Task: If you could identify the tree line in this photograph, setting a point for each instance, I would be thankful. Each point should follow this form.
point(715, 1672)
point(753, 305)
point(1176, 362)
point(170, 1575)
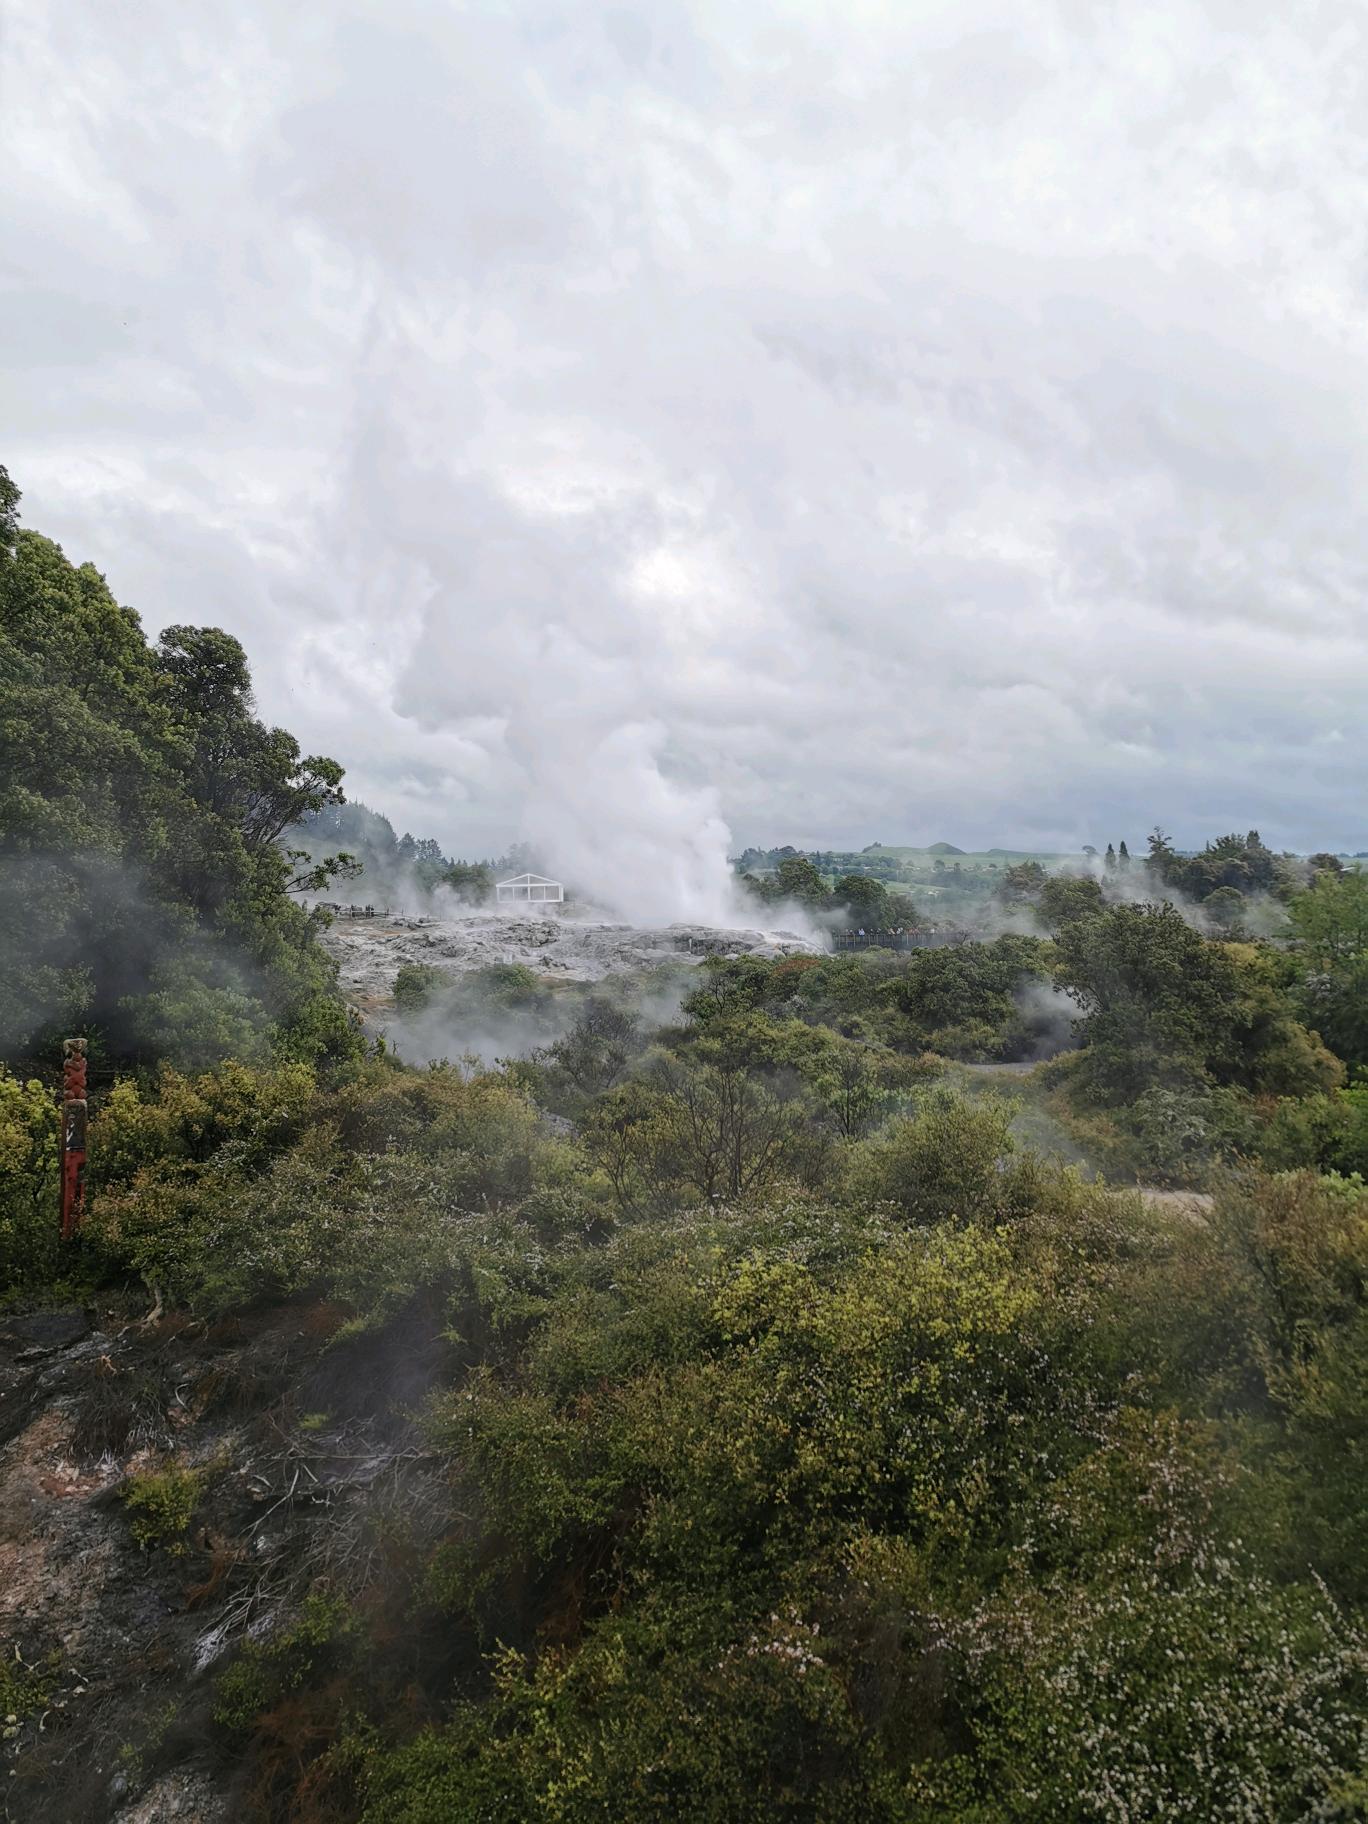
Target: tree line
point(144, 884)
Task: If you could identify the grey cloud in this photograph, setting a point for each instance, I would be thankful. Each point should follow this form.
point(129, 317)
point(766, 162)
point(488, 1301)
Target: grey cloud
point(827, 423)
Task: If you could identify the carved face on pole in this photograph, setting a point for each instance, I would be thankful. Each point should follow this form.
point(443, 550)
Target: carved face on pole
point(73, 1135)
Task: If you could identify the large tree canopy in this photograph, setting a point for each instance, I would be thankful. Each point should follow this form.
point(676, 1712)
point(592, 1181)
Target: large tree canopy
point(142, 888)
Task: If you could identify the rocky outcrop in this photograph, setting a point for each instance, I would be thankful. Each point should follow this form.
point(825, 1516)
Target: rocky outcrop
point(257, 1449)
point(566, 947)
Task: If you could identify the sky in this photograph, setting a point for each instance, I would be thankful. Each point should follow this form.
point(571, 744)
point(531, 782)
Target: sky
point(654, 429)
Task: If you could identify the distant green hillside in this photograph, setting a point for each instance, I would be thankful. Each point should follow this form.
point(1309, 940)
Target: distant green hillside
point(939, 851)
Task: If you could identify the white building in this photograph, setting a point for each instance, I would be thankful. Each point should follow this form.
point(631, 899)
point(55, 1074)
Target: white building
point(524, 887)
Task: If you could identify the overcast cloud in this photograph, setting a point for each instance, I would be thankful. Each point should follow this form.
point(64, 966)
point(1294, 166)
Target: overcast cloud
point(821, 423)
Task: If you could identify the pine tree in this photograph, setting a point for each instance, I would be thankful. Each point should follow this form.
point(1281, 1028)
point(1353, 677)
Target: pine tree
point(1163, 859)
point(1123, 856)
point(1109, 861)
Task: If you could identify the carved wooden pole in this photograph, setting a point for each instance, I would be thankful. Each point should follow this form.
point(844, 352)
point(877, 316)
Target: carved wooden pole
point(73, 1135)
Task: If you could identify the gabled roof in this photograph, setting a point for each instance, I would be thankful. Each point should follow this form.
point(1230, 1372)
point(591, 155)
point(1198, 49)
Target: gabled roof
point(529, 880)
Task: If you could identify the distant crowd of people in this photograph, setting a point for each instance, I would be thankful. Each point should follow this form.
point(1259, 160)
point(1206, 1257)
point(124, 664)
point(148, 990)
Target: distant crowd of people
point(896, 937)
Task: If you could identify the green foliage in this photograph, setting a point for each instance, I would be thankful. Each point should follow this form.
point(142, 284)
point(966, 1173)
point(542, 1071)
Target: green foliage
point(713, 1128)
point(963, 1000)
point(797, 879)
point(9, 509)
point(1165, 1009)
point(457, 1012)
point(1064, 898)
point(1159, 1000)
point(470, 881)
point(656, 1716)
point(142, 888)
point(1021, 883)
point(244, 1184)
point(821, 1397)
point(25, 1689)
point(1235, 864)
point(1326, 1131)
point(905, 1499)
point(807, 1474)
point(267, 1671)
point(29, 1183)
point(238, 1113)
point(415, 986)
point(590, 1057)
point(1171, 1134)
point(1330, 936)
point(864, 900)
point(946, 1162)
point(856, 1085)
point(1206, 1693)
point(162, 1503)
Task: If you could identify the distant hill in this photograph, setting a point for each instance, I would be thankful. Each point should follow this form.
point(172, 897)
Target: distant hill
point(945, 848)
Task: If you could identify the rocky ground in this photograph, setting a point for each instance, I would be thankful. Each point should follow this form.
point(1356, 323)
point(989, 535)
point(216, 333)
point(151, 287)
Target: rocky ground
point(109, 1647)
point(569, 946)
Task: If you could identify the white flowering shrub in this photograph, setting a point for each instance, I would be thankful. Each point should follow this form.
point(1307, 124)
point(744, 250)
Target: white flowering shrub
point(1145, 1696)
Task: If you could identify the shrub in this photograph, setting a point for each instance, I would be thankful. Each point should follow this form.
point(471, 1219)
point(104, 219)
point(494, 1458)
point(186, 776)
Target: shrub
point(186, 1121)
point(415, 986)
point(29, 1183)
point(25, 1689)
point(682, 1712)
point(947, 1160)
point(1208, 1694)
point(163, 1504)
point(266, 1670)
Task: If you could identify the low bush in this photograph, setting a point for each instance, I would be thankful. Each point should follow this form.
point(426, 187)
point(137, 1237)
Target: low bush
point(29, 1185)
point(162, 1504)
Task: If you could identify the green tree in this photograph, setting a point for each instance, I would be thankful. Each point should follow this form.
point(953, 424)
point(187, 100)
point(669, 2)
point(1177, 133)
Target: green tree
point(962, 1000)
point(1330, 920)
point(1158, 999)
point(469, 880)
point(1163, 860)
point(9, 510)
point(723, 1128)
point(864, 899)
point(142, 887)
point(945, 1162)
point(1021, 883)
point(1064, 897)
point(797, 879)
point(594, 1054)
point(249, 776)
point(1330, 939)
point(1324, 863)
point(1225, 907)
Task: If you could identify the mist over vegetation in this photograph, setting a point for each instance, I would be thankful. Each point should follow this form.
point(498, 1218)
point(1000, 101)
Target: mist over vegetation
point(750, 1400)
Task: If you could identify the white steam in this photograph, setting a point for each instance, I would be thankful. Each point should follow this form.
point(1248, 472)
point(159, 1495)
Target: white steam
point(644, 846)
point(548, 693)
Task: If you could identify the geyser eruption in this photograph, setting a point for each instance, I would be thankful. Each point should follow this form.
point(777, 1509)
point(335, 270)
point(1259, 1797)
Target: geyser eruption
point(634, 841)
point(538, 653)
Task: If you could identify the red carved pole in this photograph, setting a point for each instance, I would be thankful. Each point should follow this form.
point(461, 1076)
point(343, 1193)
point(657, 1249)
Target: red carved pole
point(73, 1135)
